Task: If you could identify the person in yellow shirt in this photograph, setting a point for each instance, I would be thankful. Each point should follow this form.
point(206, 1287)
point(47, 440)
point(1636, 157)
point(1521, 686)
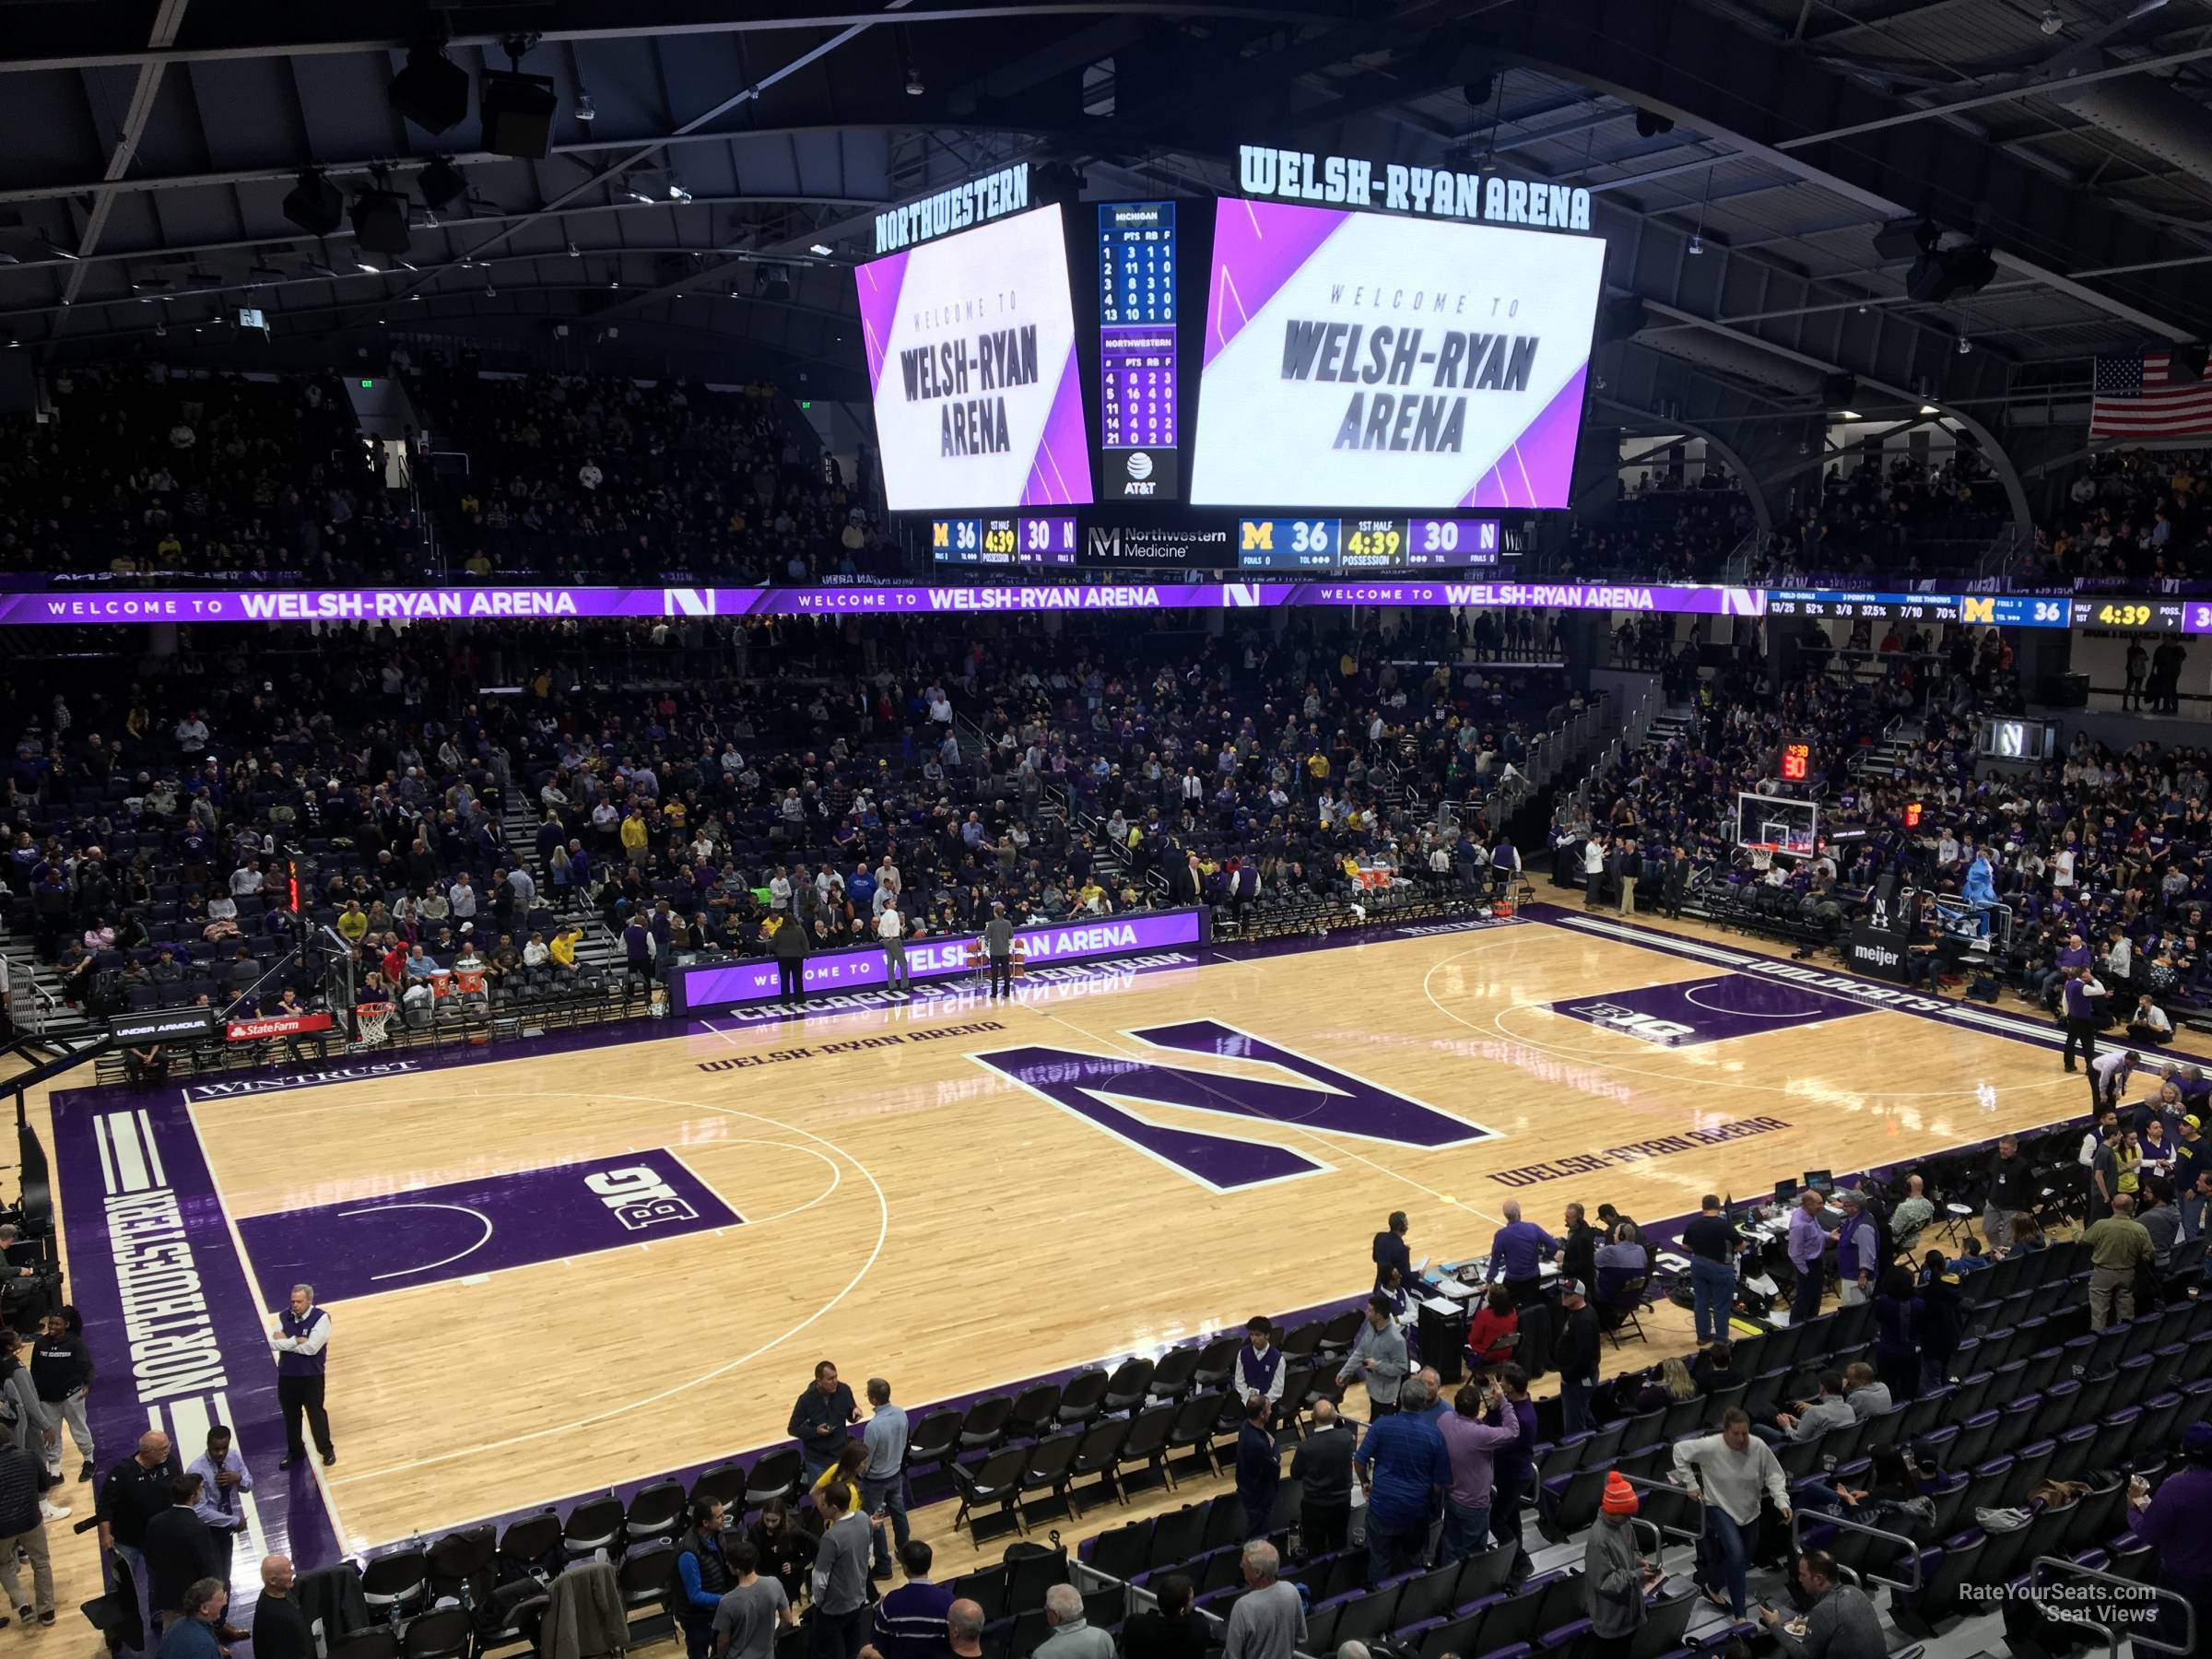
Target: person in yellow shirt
point(1317, 767)
point(851, 1458)
point(563, 948)
point(633, 836)
point(353, 923)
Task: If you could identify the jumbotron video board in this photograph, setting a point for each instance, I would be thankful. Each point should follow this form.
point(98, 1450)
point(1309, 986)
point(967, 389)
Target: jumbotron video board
point(1360, 360)
point(1347, 369)
point(970, 341)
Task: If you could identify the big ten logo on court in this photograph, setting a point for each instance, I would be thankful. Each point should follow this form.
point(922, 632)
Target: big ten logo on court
point(638, 1197)
point(1628, 1020)
point(1098, 1088)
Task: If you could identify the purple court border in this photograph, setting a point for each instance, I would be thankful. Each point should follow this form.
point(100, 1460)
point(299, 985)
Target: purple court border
point(293, 1515)
point(176, 1330)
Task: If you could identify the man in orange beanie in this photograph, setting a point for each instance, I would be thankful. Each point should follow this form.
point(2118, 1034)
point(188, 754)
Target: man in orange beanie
point(1615, 1574)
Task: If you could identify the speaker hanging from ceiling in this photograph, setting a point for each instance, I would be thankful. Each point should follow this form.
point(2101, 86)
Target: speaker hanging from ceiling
point(315, 205)
point(380, 221)
point(432, 91)
point(1941, 275)
point(441, 183)
point(516, 112)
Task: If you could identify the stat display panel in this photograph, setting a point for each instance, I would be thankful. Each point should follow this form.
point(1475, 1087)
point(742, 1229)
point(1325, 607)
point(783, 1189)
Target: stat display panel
point(1139, 426)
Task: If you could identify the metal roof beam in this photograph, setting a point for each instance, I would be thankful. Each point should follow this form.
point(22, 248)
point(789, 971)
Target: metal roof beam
point(167, 19)
point(1790, 109)
point(80, 37)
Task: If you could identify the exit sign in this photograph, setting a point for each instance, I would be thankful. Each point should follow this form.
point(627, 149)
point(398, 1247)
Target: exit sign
point(368, 386)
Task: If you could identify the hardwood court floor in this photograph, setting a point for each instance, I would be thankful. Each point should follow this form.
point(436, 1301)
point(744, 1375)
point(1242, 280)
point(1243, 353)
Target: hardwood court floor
point(912, 1212)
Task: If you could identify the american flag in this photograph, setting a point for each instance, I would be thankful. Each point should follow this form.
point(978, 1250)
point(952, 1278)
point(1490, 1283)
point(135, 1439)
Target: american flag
point(2134, 397)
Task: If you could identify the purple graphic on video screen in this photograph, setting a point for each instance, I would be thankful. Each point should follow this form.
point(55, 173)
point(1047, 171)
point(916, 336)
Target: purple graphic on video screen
point(1324, 1099)
point(1706, 1010)
point(422, 1236)
point(703, 990)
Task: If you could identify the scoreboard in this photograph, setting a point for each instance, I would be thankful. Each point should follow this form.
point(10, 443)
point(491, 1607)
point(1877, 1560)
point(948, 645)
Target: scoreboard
point(1139, 425)
point(1006, 540)
point(1365, 544)
point(2141, 616)
point(1795, 763)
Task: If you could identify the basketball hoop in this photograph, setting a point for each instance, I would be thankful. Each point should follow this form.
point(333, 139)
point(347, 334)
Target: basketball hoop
point(1762, 855)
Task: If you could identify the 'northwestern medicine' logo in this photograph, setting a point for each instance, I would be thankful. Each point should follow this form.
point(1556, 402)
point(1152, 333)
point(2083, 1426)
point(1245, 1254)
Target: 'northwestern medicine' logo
point(1323, 1098)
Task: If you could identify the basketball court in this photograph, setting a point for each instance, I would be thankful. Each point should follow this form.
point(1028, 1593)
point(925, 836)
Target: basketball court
point(569, 1269)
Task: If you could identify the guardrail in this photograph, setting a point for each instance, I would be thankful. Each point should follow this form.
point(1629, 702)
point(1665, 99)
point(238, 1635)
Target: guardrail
point(1910, 1550)
point(1737, 568)
point(1680, 1494)
point(2137, 1592)
point(43, 1004)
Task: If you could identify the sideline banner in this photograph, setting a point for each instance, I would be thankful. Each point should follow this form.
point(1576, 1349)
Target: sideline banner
point(711, 987)
point(278, 1025)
